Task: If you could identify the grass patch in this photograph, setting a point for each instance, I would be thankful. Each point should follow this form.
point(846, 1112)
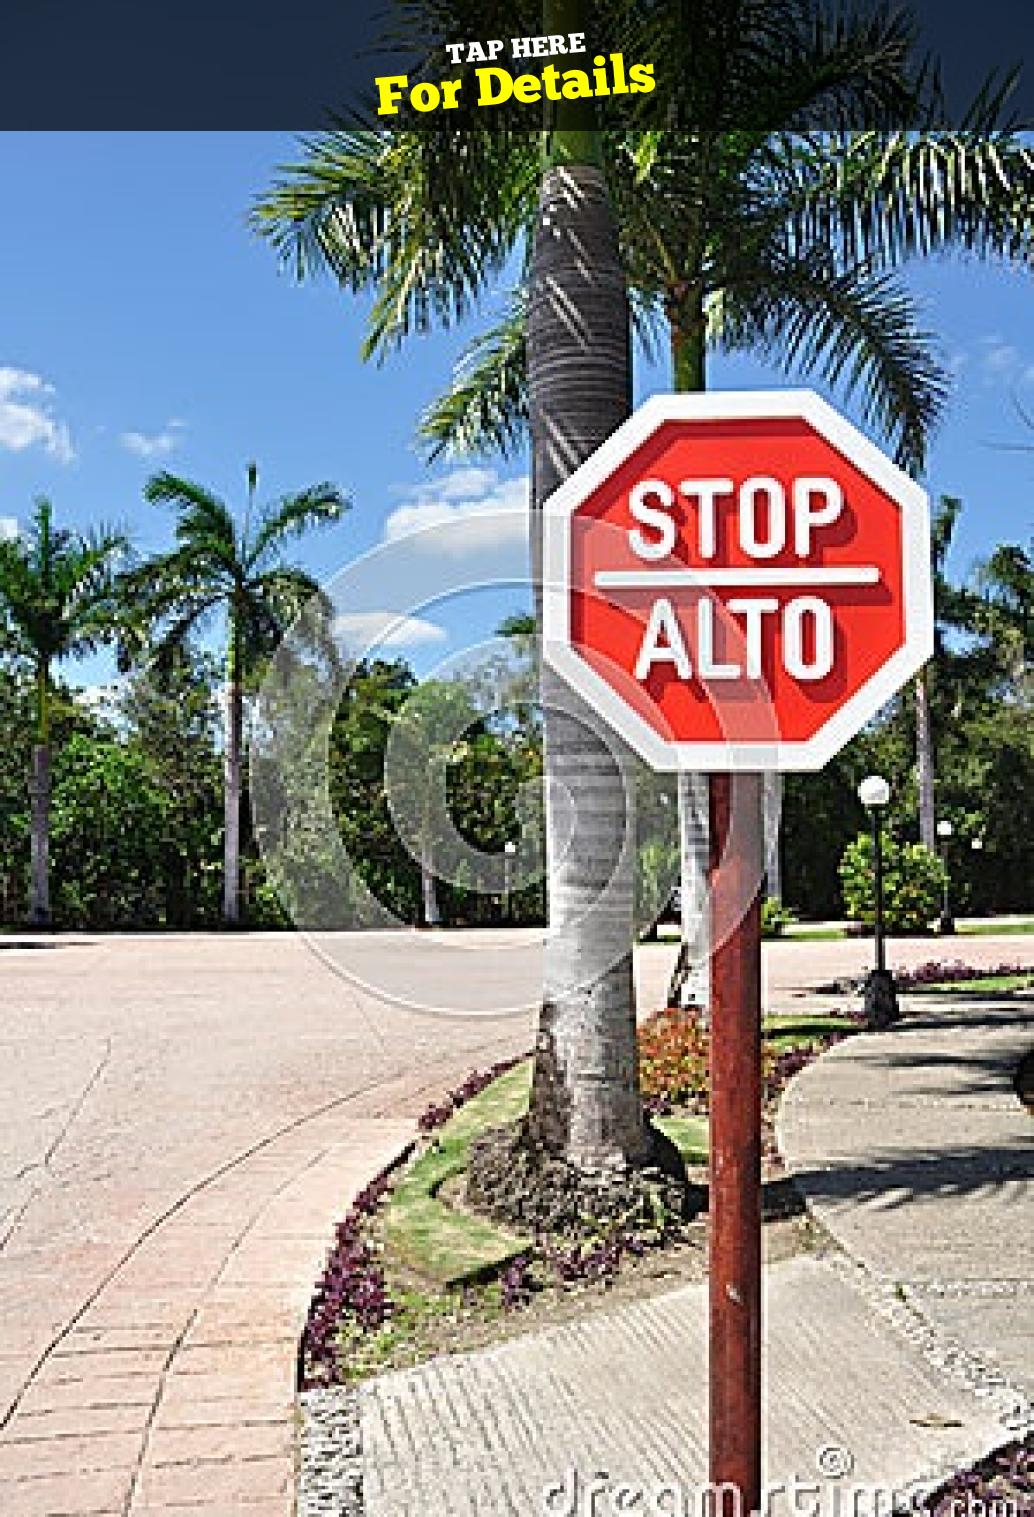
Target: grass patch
point(989, 984)
point(450, 1248)
point(689, 1135)
point(784, 1032)
point(1022, 928)
point(421, 1324)
point(446, 1246)
point(505, 1100)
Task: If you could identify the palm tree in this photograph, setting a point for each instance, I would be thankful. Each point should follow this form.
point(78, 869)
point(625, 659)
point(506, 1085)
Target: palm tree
point(788, 237)
point(430, 732)
point(1005, 610)
point(585, 1103)
point(221, 566)
point(63, 594)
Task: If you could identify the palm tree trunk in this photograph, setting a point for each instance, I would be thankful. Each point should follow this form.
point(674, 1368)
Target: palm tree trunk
point(39, 805)
point(772, 803)
point(232, 788)
point(39, 840)
point(429, 888)
point(925, 763)
point(690, 983)
point(585, 1104)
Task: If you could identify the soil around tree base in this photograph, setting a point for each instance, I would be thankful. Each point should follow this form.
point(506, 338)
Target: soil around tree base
point(516, 1181)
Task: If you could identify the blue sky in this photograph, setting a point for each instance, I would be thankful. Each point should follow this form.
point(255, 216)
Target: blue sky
point(143, 326)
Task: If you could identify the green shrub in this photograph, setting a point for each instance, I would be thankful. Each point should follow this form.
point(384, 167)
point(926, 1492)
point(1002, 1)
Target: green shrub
point(775, 917)
point(656, 872)
point(913, 882)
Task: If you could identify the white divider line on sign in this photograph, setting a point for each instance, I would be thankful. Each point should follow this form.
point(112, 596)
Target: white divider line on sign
point(651, 579)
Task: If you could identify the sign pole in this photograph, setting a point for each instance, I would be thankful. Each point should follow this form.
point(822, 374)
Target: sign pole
point(734, 876)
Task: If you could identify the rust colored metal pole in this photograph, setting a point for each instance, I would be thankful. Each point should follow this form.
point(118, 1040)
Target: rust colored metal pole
point(735, 872)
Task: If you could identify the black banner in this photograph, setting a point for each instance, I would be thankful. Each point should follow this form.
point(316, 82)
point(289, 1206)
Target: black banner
point(226, 64)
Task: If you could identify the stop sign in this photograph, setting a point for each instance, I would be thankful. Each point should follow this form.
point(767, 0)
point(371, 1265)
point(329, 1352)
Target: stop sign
point(737, 580)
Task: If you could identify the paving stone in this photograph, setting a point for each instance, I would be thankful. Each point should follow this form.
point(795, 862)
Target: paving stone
point(216, 1481)
point(78, 1495)
point(96, 1452)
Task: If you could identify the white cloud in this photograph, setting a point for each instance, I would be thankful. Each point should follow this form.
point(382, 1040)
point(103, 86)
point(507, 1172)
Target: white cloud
point(152, 445)
point(361, 630)
point(470, 510)
point(27, 417)
point(8, 528)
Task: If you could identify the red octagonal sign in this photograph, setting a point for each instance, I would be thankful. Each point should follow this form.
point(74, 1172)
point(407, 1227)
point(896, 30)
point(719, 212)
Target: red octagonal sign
point(737, 580)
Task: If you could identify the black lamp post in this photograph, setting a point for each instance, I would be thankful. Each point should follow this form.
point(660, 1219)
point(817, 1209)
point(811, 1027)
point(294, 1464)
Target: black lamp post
point(509, 849)
point(947, 921)
point(881, 1001)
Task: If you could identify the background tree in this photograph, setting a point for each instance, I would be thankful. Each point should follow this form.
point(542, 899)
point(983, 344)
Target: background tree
point(431, 731)
point(110, 825)
point(376, 690)
point(1004, 610)
point(913, 880)
point(63, 594)
point(220, 566)
point(170, 715)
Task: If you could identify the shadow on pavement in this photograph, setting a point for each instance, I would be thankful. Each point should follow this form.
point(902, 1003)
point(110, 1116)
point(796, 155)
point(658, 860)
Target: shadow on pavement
point(36, 943)
point(898, 1180)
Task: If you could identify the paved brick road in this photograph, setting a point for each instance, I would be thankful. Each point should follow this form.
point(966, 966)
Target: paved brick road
point(182, 1121)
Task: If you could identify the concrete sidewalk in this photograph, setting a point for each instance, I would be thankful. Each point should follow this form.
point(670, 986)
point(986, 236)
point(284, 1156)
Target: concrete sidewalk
point(913, 1149)
point(914, 1152)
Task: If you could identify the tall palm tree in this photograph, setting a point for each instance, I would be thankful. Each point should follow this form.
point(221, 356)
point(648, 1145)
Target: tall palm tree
point(63, 594)
point(585, 1102)
point(236, 569)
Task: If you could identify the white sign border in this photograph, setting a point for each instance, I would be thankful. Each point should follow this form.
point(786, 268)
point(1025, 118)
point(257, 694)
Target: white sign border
point(734, 405)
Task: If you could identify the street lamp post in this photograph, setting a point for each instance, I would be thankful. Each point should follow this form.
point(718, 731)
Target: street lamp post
point(947, 922)
point(881, 1001)
point(509, 849)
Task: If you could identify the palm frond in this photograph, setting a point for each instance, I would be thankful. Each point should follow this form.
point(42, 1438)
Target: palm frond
point(203, 521)
point(485, 408)
point(885, 197)
point(859, 330)
point(292, 515)
point(62, 592)
point(426, 218)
